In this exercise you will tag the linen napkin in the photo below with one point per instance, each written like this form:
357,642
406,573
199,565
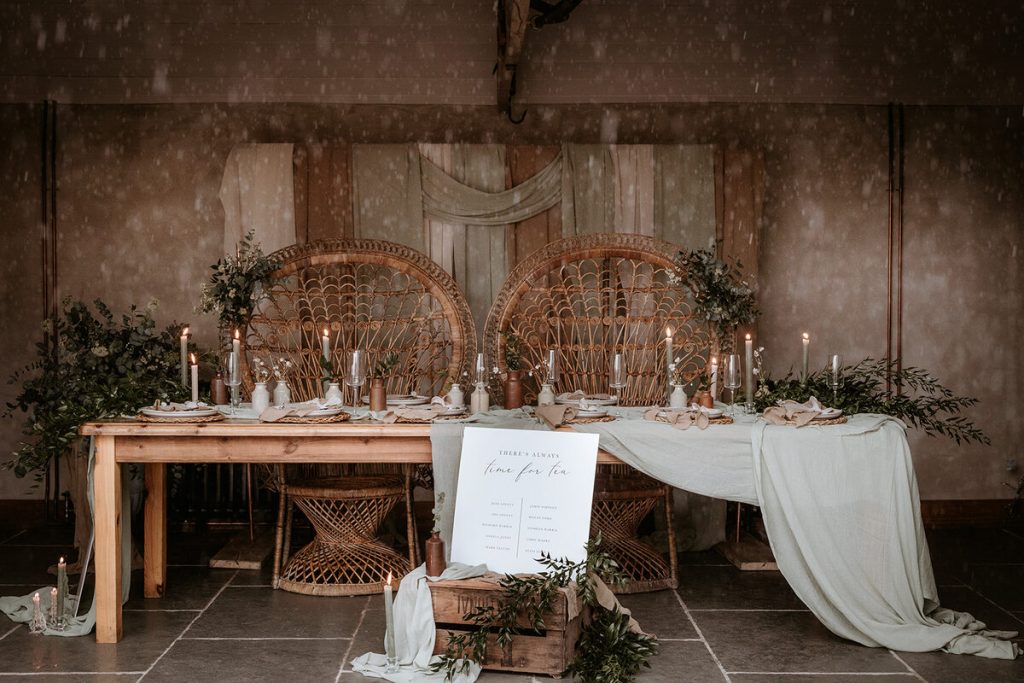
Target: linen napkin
426,413
272,414
579,395
680,419
555,415
793,413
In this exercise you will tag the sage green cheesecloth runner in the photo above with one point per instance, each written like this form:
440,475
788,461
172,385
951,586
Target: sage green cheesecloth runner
19,609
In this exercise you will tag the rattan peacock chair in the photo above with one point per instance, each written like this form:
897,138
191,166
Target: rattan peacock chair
590,297
379,297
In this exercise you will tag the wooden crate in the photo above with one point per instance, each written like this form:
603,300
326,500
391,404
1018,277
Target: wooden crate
549,652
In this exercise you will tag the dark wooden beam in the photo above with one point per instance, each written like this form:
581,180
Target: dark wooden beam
513,19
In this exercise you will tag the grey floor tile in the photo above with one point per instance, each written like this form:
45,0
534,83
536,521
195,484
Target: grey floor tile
146,636
938,667
230,661
186,588
71,678
768,642
197,548
660,614
964,599
823,678
703,587
688,662
29,564
1001,583
254,577
266,613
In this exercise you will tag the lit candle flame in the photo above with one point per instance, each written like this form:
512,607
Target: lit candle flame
668,332
325,331
61,561
748,336
236,333
389,578
806,336
192,356
184,332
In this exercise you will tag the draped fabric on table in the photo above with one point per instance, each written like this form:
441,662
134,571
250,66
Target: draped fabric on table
257,191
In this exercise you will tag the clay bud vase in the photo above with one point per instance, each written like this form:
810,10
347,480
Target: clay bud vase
218,390
434,554
704,399
514,390
378,394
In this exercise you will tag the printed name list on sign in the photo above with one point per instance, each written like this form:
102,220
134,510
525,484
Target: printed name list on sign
522,493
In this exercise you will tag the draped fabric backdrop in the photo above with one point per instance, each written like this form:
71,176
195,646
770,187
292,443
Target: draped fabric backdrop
478,210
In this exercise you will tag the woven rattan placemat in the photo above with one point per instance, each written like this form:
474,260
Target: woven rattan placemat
179,420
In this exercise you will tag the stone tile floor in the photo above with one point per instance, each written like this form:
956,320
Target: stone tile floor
721,625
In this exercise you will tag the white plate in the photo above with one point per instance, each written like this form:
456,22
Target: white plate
454,410
407,400
198,412
593,412
592,401
325,412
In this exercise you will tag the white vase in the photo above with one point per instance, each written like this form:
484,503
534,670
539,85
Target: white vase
455,397
546,397
260,397
480,400
677,400
282,394
334,394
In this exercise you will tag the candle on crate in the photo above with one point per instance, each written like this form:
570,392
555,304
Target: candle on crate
389,633
195,379
748,380
714,378
807,346
184,357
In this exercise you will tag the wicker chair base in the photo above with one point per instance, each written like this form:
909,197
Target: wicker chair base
342,569
345,557
620,505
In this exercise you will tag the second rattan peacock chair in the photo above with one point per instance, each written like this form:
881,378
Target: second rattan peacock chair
379,297
588,298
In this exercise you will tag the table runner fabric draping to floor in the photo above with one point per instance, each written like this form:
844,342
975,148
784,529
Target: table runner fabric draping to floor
842,512
19,608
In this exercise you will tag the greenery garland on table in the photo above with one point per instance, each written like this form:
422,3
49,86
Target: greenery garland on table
721,296
238,284
91,366
928,405
607,651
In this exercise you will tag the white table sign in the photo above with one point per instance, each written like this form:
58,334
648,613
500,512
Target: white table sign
522,493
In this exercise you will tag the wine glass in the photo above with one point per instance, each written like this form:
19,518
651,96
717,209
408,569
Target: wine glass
481,370
552,377
618,375
233,380
733,379
355,373
834,375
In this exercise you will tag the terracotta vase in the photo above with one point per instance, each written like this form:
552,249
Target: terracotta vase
218,390
514,390
434,554
378,395
704,399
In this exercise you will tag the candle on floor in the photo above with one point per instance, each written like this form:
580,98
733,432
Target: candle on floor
195,379
62,591
748,383
389,633
54,620
38,622
184,357
807,346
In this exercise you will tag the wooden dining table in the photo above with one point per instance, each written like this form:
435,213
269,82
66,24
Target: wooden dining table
155,445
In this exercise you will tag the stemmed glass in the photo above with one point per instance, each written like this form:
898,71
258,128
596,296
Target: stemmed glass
834,375
233,380
355,373
733,379
552,377
618,375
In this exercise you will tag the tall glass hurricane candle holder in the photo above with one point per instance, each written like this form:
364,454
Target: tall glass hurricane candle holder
835,375
355,373
733,378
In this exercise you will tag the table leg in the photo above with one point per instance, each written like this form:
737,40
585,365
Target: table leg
107,488
155,552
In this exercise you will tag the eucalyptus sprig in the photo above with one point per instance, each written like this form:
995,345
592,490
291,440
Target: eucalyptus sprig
385,365
238,283
914,396
513,350
533,597
721,295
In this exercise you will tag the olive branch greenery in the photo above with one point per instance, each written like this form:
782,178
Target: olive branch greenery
607,651
913,396
384,365
238,283
513,351
721,296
